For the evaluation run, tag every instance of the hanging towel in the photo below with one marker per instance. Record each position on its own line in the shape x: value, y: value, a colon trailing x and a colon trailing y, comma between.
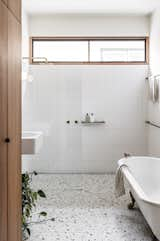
x: 151, y: 88
x: 156, y: 89
x: 119, y: 182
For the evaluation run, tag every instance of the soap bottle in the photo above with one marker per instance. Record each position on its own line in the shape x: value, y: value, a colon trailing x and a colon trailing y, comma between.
x: 92, y: 119
x: 87, y: 119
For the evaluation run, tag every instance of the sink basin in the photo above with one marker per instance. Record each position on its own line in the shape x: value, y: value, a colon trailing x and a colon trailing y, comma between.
x: 31, y: 142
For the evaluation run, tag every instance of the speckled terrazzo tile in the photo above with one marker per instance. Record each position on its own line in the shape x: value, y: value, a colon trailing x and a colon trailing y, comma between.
x: 78, y: 190
x: 85, y: 209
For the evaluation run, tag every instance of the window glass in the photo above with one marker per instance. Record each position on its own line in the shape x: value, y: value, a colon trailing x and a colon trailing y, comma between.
x: 89, y: 50
x: 61, y: 50
x: 117, y: 51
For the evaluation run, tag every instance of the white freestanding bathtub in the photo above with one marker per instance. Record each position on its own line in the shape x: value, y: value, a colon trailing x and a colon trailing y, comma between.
x: 143, y: 176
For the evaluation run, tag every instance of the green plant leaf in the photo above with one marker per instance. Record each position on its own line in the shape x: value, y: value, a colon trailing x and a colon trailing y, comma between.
x: 28, y: 231
x: 44, y: 214
x: 41, y: 194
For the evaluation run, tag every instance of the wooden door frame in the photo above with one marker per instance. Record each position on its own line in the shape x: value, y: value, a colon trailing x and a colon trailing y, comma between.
x: 10, y: 132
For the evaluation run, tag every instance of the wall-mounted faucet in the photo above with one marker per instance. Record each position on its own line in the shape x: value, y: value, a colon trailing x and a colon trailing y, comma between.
x: 69, y: 122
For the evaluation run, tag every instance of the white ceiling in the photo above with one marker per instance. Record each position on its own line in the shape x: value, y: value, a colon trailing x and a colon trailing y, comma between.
x: 90, y: 6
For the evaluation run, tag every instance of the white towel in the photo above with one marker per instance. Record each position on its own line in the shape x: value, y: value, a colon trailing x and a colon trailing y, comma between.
x: 156, y: 89
x: 151, y: 89
x: 119, y: 182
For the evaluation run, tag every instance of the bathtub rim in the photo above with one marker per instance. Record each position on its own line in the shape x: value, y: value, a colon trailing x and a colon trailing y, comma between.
x: 132, y: 181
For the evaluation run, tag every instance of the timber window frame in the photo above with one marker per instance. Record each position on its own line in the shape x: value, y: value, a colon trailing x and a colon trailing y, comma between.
x: 88, y: 40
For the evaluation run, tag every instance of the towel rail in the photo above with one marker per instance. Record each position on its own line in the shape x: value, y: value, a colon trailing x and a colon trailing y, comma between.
x: 33, y: 58
x: 154, y: 76
x: 152, y: 124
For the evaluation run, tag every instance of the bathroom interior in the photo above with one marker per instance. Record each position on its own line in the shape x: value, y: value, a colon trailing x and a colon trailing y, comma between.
x: 91, y: 97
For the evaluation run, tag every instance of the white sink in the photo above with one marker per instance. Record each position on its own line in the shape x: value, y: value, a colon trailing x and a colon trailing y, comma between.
x: 31, y: 142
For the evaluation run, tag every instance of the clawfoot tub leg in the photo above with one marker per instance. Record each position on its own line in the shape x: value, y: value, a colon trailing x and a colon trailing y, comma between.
x: 154, y: 238
x: 132, y: 203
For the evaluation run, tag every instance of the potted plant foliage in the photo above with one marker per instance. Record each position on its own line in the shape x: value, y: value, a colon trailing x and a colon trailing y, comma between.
x: 29, y: 199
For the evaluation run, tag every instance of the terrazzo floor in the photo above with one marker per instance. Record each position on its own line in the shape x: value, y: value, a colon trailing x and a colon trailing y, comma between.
x: 85, y: 209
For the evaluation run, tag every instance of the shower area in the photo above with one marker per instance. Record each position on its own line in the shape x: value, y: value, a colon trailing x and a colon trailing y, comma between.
x: 56, y: 99
x: 55, y: 102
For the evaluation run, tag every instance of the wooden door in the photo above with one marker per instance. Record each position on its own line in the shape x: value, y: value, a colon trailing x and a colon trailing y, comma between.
x: 3, y: 121
x: 14, y: 128
x: 15, y: 8
x: 5, y: 1
x: 10, y: 125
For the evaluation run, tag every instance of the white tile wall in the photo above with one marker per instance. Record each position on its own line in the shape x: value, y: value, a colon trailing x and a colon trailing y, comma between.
x: 154, y: 109
x: 115, y: 94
